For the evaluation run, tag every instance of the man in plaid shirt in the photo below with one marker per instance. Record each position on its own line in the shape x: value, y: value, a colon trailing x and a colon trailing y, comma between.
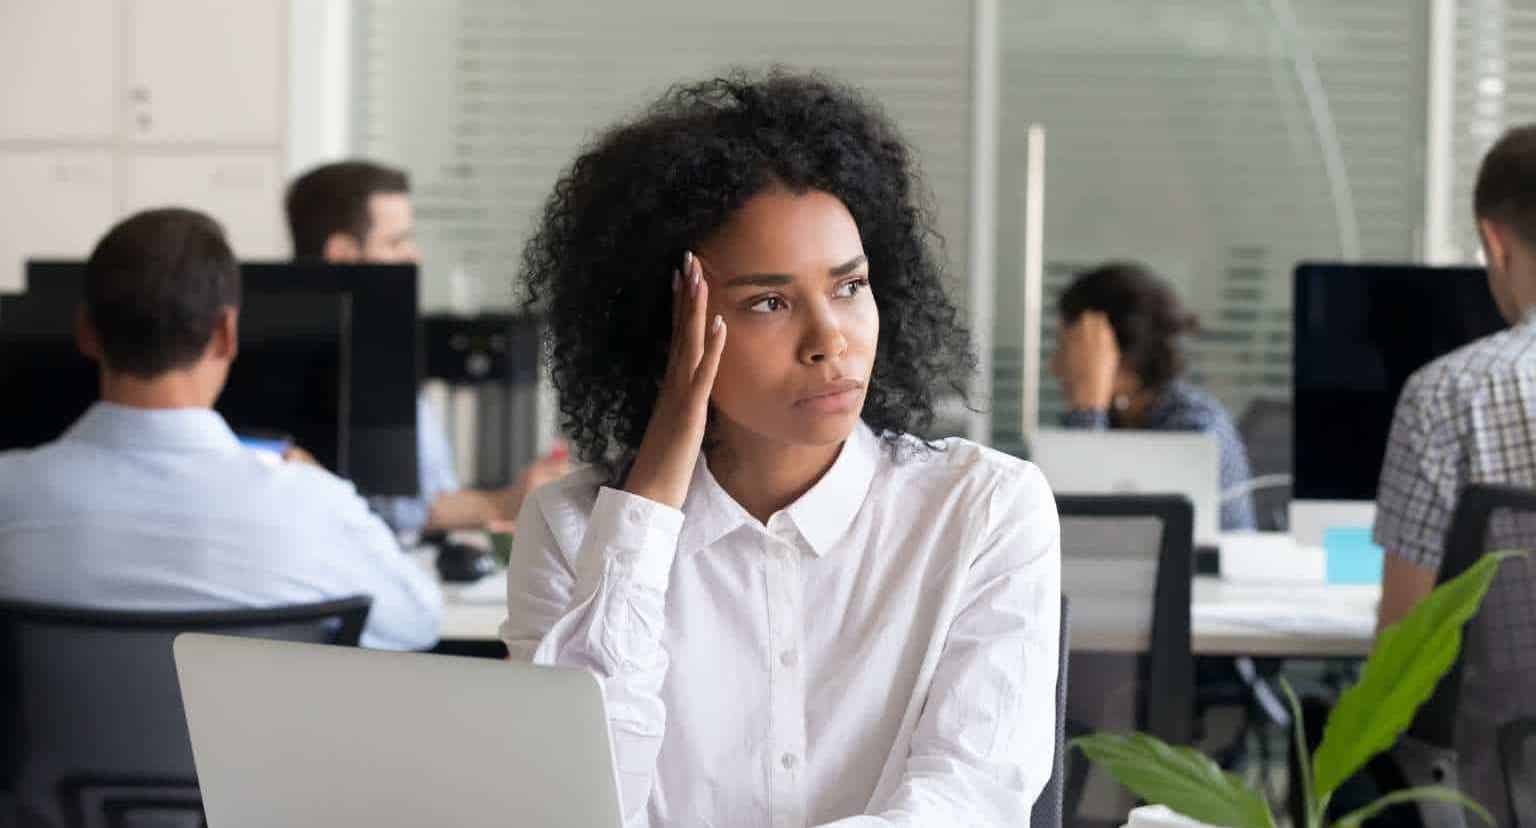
x: 1467, y: 417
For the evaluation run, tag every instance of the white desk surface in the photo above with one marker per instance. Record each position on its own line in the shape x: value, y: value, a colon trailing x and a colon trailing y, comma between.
x: 1298, y: 620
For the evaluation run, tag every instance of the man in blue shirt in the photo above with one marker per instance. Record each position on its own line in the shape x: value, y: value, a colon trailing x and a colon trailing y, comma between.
x: 360, y: 212
x: 150, y: 502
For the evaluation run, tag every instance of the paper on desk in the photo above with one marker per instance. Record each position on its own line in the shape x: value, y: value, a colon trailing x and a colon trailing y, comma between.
x: 1269, y: 557
x: 1289, y: 618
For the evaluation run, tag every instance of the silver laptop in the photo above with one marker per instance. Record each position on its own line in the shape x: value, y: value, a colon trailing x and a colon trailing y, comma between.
x: 305, y: 736
x: 1077, y: 461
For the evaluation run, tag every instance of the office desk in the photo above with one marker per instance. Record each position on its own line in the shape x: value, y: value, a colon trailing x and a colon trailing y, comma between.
x: 1298, y: 620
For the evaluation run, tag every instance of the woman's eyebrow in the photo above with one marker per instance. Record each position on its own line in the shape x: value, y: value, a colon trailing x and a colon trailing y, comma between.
x: 780, y: 279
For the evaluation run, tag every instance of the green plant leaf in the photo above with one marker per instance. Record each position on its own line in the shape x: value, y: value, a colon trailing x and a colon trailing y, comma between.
x: 1436, y: 793
x: 1314, y: 809
x: 1401, y: 673
x: 1178, y: 777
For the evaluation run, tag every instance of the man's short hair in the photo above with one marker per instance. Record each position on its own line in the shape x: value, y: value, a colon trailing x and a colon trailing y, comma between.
x: 333, y: 198
x: 156, y: 287
x: 1506, y: 183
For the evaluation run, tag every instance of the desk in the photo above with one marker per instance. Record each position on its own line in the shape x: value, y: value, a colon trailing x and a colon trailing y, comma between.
x: 1299, y: 620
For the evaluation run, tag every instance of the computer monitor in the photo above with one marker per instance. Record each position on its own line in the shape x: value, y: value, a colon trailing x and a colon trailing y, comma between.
x: 1360, y: 332
x: 348, y: 396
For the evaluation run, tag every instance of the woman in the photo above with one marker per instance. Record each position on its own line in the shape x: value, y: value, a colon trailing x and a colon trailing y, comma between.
x: 801, y: 614
x: 1119, y: 363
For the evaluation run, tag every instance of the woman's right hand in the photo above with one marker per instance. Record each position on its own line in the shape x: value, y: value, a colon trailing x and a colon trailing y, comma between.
x: 1090, y: 362
x: 669, y: 451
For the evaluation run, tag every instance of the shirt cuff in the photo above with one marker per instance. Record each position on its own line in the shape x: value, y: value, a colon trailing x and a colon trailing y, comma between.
x: 1086, y: 418
x: 633, y: 534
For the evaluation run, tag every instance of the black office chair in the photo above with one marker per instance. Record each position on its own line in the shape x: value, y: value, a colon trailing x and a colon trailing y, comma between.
x: 1127, y: 564
x: 1473, y: 724
x: 1047, y: 810
x: 91, y: 724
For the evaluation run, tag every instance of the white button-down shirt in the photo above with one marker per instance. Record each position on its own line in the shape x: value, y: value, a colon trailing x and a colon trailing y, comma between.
x: 882, y: 652
x: 165, y: 510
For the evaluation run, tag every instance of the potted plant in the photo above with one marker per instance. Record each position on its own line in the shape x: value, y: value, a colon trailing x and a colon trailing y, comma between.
x: 1401, y: 673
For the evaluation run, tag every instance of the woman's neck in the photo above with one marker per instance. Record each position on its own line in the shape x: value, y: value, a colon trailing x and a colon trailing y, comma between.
x: 765, y: 477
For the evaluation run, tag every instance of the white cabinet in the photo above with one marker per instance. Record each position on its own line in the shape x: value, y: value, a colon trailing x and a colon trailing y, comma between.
x: 207, y: 71
x: 56, y: 205
x: 58, y: 70
x: 111, y: 106
x: 241, y: 190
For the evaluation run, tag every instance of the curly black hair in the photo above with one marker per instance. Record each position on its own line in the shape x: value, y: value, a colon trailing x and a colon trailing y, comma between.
x: 599, y: 267
x: 1145, y: 313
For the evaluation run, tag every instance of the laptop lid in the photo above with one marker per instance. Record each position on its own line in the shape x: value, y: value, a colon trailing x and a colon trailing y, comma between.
x: 306, y: 735
x: 1077, y: 461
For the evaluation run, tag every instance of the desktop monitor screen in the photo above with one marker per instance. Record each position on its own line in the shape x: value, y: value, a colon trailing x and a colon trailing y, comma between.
x: 377, y: 446
x: 1360, y: 332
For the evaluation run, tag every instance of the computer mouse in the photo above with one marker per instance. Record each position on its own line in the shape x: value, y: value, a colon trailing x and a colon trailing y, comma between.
x: 462, y: 563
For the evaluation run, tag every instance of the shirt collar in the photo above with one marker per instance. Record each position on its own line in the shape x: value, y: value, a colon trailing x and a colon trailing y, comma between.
x: 822, y: 515
x: 123, y: 427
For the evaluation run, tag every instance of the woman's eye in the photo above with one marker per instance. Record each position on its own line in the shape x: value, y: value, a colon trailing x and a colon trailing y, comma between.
x: 852, y: 287
x: 768, y: 304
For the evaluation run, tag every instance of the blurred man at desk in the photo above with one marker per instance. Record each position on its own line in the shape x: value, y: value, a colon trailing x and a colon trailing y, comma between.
x: 1466, y: 417
x: 150, y: 502
x: 359, y: 212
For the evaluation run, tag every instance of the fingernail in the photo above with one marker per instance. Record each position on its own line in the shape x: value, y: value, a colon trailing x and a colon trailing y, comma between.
x: 688, y: 261
x: 714, y: 327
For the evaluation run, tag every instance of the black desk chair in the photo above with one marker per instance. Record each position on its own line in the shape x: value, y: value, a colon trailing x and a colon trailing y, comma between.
x: 1047, y: 810
x: 92, y: 731
x: 1127, y: 564
x: 1477, y: 721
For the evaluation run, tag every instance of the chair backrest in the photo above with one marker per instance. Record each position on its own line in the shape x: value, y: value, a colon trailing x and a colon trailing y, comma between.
x: 1266, y: 428
x: 1047, y: 810
x: 1490, y: 684
x: 91, y: 720
x: 1127, y: 561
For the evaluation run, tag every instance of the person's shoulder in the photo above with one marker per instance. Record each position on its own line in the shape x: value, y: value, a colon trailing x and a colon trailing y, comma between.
x: 1195, y: 408
x: 43, y: 473
x: 1467, y: 371
x: 570, y: 498
x: 960, y: 463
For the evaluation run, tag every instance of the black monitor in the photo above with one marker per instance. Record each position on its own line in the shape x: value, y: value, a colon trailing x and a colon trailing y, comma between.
x: 328, y: 356
x: 1360, y: 332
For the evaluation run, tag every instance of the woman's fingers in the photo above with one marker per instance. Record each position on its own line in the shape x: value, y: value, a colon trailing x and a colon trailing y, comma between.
x: 709, y: 365
x: 694, y: 318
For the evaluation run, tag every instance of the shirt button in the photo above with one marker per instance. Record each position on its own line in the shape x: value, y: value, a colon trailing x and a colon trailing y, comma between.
x: 788, y: 761
x: 788, y: 658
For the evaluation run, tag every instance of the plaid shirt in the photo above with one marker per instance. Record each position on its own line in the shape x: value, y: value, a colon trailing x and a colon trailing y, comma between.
x: 1464, y: 418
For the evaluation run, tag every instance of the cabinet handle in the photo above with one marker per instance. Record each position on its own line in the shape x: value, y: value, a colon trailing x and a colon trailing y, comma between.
x: 139, y: 94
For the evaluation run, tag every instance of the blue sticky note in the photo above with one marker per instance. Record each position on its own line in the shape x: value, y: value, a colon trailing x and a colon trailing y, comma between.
x: 1351, y: 555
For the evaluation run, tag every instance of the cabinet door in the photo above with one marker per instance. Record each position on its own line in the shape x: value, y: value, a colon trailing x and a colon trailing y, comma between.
x: 56, y: 205
x: 58, y: 64
x: 207, y: 71
x: 242, y: 190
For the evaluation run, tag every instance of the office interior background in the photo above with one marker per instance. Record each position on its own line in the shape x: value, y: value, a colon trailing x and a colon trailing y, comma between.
x: 1220, y: 142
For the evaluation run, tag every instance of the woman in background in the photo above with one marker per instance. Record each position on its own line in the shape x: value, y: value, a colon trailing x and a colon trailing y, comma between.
x: 1119, y: 361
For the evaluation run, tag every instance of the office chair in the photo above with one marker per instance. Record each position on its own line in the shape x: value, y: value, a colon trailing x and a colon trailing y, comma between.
x: 1477, y: 722
x: 91, y: 724
x: 1046, y: 812
x: 1127, y: 563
